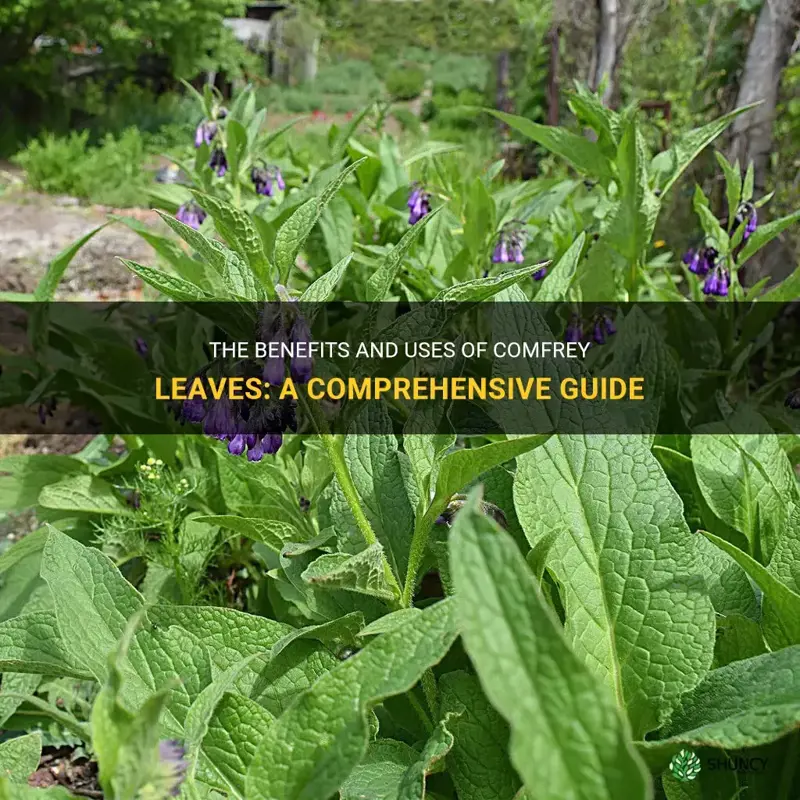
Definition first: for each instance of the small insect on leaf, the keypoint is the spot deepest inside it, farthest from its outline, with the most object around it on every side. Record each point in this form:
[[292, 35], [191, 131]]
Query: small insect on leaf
[[457, 503]]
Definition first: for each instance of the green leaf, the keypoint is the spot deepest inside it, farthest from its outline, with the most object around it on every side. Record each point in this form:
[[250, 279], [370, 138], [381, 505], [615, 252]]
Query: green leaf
[[202, 709], [381, 280], [92, 600], [412, 784], [746, 479], [382, 476], [22, 477], [272, 532], [478, 762], [19, 757], [747, 186], [363, 572], [235, 728], [559, 280], [738, 637], [380, 773], [324, 288], [583, 154], [733, 185], [311, 749], [479, 213], [231, 636], [567, 738], [781, 613], [635, 218], [623, 532], [238, 230], [31, 643], [169, 285], [388, 622], [342, 629], [744, 704], [83, 494], [475, 291], [764, 234], [689, 146], [293, 233], [47, 286], [17, 684]]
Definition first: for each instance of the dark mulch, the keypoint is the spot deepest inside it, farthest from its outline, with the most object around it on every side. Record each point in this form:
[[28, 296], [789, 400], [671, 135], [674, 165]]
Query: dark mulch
[[60, 766]]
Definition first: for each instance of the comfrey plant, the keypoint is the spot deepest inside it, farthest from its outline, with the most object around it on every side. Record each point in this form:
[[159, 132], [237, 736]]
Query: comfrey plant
[[588, 609]]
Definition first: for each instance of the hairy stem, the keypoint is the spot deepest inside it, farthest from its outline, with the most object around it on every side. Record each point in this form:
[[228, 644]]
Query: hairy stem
[[334, 448]]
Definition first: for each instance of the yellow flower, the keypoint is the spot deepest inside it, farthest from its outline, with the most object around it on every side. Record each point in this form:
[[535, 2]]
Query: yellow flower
[[151, 461], [659, 243]]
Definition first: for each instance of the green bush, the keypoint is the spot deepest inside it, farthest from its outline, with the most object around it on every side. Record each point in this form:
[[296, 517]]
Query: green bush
[[347, 77], [405, 83], [459, 73], [111, 174]]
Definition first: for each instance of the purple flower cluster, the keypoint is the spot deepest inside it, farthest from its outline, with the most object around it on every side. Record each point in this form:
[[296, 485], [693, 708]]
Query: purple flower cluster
[[254, 426], [205, 133], [510, 246], [218, 162], [419, 205], [265, 178], [700, 261], [191, 214], [598, 329], [717, 282], [703, 263]]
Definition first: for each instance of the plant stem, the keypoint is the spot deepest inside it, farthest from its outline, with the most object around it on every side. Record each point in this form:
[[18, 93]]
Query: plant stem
[[419, 541], [334, 448], [421, 713]]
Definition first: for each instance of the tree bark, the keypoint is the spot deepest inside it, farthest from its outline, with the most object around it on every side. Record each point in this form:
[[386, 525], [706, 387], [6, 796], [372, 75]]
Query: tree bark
[[605, 60], [767, 55]]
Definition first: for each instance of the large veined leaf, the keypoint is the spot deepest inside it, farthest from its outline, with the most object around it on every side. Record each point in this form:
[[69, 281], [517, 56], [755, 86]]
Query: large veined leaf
[[582, 153], [478, 761], [19, 757], [293, 233], [231, 636], [781, 607], [364, 572], [568, 740], [669, 165], [560, 278], [746, 479], [743, 704], [381, 280], [46, 289], [324, 288], [311, 749], [638, 611]]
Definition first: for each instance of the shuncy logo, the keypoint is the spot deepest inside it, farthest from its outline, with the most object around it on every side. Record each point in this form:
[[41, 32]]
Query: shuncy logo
[[685, 766]]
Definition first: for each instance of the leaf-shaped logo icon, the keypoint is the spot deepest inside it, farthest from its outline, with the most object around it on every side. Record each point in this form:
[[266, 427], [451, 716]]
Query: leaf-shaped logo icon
[[685, 766]]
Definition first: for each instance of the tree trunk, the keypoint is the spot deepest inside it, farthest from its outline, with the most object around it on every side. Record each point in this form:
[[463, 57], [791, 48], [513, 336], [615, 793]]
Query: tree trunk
[[605, 59], [767, 55]]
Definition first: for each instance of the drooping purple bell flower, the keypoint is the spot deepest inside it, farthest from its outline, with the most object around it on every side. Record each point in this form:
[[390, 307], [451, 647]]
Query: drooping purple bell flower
[[220, 422], [574, 332], [419, 205], [193, 410], [500, 255], [262, 181], [540, 274], [191, 214], [218, 162], [141, 346], [274, 366], [752, 224], [717, 283], [205, 132]]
